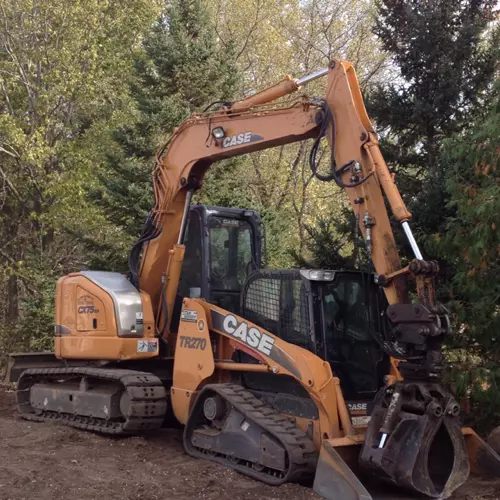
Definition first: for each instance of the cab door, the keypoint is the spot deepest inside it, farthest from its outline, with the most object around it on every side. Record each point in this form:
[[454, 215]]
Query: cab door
[[353, 332], [231, 251], [223, 246]]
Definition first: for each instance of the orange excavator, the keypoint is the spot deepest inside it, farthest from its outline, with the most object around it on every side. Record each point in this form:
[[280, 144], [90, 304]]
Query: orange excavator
[[281, 375]]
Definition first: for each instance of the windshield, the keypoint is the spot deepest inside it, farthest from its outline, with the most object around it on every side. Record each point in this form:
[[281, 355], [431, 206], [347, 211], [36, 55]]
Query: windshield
[[230, 252], [345, 309]]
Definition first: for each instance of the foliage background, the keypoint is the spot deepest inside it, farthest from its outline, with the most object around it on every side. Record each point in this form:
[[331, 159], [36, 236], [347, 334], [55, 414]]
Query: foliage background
[[90, 89]]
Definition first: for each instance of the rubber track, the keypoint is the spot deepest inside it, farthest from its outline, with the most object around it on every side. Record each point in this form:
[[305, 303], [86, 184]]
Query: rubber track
[[147, 396], [301, 452]]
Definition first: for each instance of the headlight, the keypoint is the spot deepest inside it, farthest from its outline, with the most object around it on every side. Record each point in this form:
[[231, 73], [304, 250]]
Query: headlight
[[218, 133], [317, 274], [328, 275]]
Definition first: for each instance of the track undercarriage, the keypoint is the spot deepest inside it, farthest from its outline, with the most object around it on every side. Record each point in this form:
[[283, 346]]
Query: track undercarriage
[[231, 426], [228, 424], [104, 400]]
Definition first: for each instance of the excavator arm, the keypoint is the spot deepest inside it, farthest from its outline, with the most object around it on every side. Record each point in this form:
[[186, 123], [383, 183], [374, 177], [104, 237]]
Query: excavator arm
[[204, 139], [409, 416]]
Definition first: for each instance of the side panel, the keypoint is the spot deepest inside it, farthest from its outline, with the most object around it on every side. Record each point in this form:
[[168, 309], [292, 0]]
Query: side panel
[[86, 325], [105, 348], [126, 300], [90, 308]]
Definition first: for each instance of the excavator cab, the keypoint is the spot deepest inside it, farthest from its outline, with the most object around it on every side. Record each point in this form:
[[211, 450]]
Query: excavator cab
[[223, 247]]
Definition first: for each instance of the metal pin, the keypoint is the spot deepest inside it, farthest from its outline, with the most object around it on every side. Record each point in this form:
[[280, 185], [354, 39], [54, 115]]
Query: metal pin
[[368, 223], [382, 440]]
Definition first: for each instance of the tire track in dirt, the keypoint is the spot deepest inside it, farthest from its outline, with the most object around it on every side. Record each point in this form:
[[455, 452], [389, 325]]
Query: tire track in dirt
[[47, 461]]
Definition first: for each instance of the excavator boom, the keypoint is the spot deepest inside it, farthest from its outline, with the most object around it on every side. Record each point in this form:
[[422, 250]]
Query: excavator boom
[[194, 146]]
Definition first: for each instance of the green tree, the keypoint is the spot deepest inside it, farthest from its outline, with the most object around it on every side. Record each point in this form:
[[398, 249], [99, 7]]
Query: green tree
[[446, 53], [328, 247], [471, 240], [444, 56], [63, 72], [180, 68]]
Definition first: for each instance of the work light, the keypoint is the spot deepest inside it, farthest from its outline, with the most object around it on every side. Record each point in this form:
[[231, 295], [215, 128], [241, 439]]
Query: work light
[[218, 133]]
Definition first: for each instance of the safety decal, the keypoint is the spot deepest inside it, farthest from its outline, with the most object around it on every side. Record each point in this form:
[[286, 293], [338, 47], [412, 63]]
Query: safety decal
[[365, 420], [358, 412], [150, 345]]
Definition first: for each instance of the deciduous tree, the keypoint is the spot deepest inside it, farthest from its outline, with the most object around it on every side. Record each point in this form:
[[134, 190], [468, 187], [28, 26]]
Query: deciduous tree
[[63, 68]]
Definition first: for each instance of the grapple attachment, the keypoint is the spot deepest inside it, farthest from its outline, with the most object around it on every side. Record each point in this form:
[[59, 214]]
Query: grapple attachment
[[415, 440]]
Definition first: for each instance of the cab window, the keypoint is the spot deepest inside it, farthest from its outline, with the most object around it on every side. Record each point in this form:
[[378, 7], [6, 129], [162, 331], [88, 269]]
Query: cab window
[[280, 306], [230, 253]]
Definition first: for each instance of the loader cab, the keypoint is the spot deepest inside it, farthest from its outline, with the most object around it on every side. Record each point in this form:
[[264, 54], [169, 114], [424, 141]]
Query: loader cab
[[338, 315], [223, 247], [322, 311]]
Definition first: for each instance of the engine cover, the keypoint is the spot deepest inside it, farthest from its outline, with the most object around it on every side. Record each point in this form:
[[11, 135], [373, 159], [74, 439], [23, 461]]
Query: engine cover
[[100, 315], [126, 301]]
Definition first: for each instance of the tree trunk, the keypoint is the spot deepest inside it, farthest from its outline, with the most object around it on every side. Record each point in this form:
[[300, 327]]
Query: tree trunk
[[12, 300]]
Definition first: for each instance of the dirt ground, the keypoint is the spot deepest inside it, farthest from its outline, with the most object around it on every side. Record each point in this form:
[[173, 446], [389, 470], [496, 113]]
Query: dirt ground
[[47, 461]]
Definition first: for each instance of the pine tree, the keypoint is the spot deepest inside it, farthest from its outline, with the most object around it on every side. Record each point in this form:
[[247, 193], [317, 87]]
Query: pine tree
[[472, 242], [327, 246], [447, 56], [446, 59], [181, 68]]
